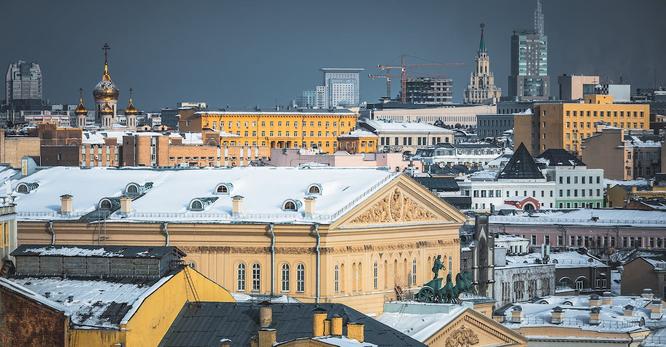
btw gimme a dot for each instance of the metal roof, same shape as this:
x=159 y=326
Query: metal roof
x=206 y=323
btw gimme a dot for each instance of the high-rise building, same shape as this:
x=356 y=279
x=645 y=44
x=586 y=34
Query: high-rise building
x=429 y=90
x=481 y=88
x=572 y=86
x=341 y=86
x=529 y=62
x=23 y=89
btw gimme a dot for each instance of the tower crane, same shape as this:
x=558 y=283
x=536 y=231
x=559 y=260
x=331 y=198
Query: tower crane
x=403 y=72
x=388 y=78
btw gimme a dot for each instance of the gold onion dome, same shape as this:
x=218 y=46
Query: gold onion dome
x=80 y=109
x=130 y=109
x=106 y=109
x=105 y=90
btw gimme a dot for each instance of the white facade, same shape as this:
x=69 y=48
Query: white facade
x=407 y=136
x=577 y=187
x=486 y=191
x=459 y=154
x=449 y=115
x=341 y=87
x=522 y=282
x=512 y=243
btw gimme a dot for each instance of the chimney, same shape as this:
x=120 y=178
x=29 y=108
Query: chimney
x=356 y=331
x=647 y=294
x=336 y=325
x=656 y=309
x=66 y=204
x=310 y=205
x=267 y=337
x=595 y=315
x=327 y=327
x=225 y=343
x=265 y=315
x=595 y=300
x=517 y=314
x=125 y=205
x=607 y=299
x=557 y=316
x=628 y=310
x=236 y=205
x=318 y=322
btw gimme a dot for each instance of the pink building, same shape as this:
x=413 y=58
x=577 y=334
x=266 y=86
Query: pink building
x=296 y=157
x=599 y=230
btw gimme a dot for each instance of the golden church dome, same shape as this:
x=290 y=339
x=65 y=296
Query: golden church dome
x=105 y=90
x=80 y=109
x=131 y=109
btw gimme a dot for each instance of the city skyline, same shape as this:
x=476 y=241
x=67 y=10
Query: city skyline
x=201 y=52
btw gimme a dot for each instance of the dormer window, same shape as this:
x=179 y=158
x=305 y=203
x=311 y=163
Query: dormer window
x=314 y=189
x=105 y=204
x=224 y=188
x=134 y=189
x=196 y=205
x=291 y=205
x=25 y=188
x=201 y=204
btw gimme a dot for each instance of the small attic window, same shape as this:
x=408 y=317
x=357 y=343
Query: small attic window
x=224 y=188
x=132 y=189
x=105 y=204
x=25 y=188
x=196 y=205
x=314 y=189
x=291 y=205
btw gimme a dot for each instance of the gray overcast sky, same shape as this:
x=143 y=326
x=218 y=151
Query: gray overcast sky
x=244 y=53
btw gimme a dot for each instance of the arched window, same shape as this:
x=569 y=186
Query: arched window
x=196 y=205
x=300 y=278
x=240 y=278
x=256 y=277
x=375 y=276
x=132 y=189
x=314 y=189
x=285 y=277
x=413 y=272
x=291 y=205
x=22 y=188
x=105 y=204
x=222 y=189
x=336 y=279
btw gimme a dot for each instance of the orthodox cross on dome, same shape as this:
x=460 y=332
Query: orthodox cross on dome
x=81 y=95
x=106 y=75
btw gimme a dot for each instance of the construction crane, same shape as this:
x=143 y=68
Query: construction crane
x=388 y=78
x=403 y=72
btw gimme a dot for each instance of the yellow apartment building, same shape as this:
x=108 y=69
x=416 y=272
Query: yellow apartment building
x=312 y=129
x=566 y=124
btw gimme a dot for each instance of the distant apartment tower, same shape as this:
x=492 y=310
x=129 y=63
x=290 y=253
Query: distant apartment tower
x=341 y=87
x=307 y=99
x=529 y=62
x=571 y=86
x=23 y=86
x=481 y=88
x=429 y=91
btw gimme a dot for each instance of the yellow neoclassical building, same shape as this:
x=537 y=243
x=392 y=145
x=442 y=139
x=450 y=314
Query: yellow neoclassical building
x=351 y=236
x=273 y=129
x=566 y=124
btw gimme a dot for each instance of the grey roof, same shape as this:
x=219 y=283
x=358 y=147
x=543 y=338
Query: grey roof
x=447 y=184
x=560 y=157
x=521 y=166
x=96 y=251
x=206 y=323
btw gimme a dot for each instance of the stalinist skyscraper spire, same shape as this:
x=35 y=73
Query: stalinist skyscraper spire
x=481 y=88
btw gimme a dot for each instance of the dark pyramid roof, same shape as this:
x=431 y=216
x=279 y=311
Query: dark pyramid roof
x=560 y=157
x=205 y=323
x=521 y=166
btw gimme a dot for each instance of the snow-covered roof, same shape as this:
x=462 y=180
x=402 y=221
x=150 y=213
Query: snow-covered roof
x=397 y=127
x=359 y=133
x=298 y=112
x=264 y=191
x=192 y=139
x=628 y=183
x=88 y=303
x=420 y=320
x=588 y=217
x=98 y=137
x=561 y=260
x=576 y=311
x=342 y=341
